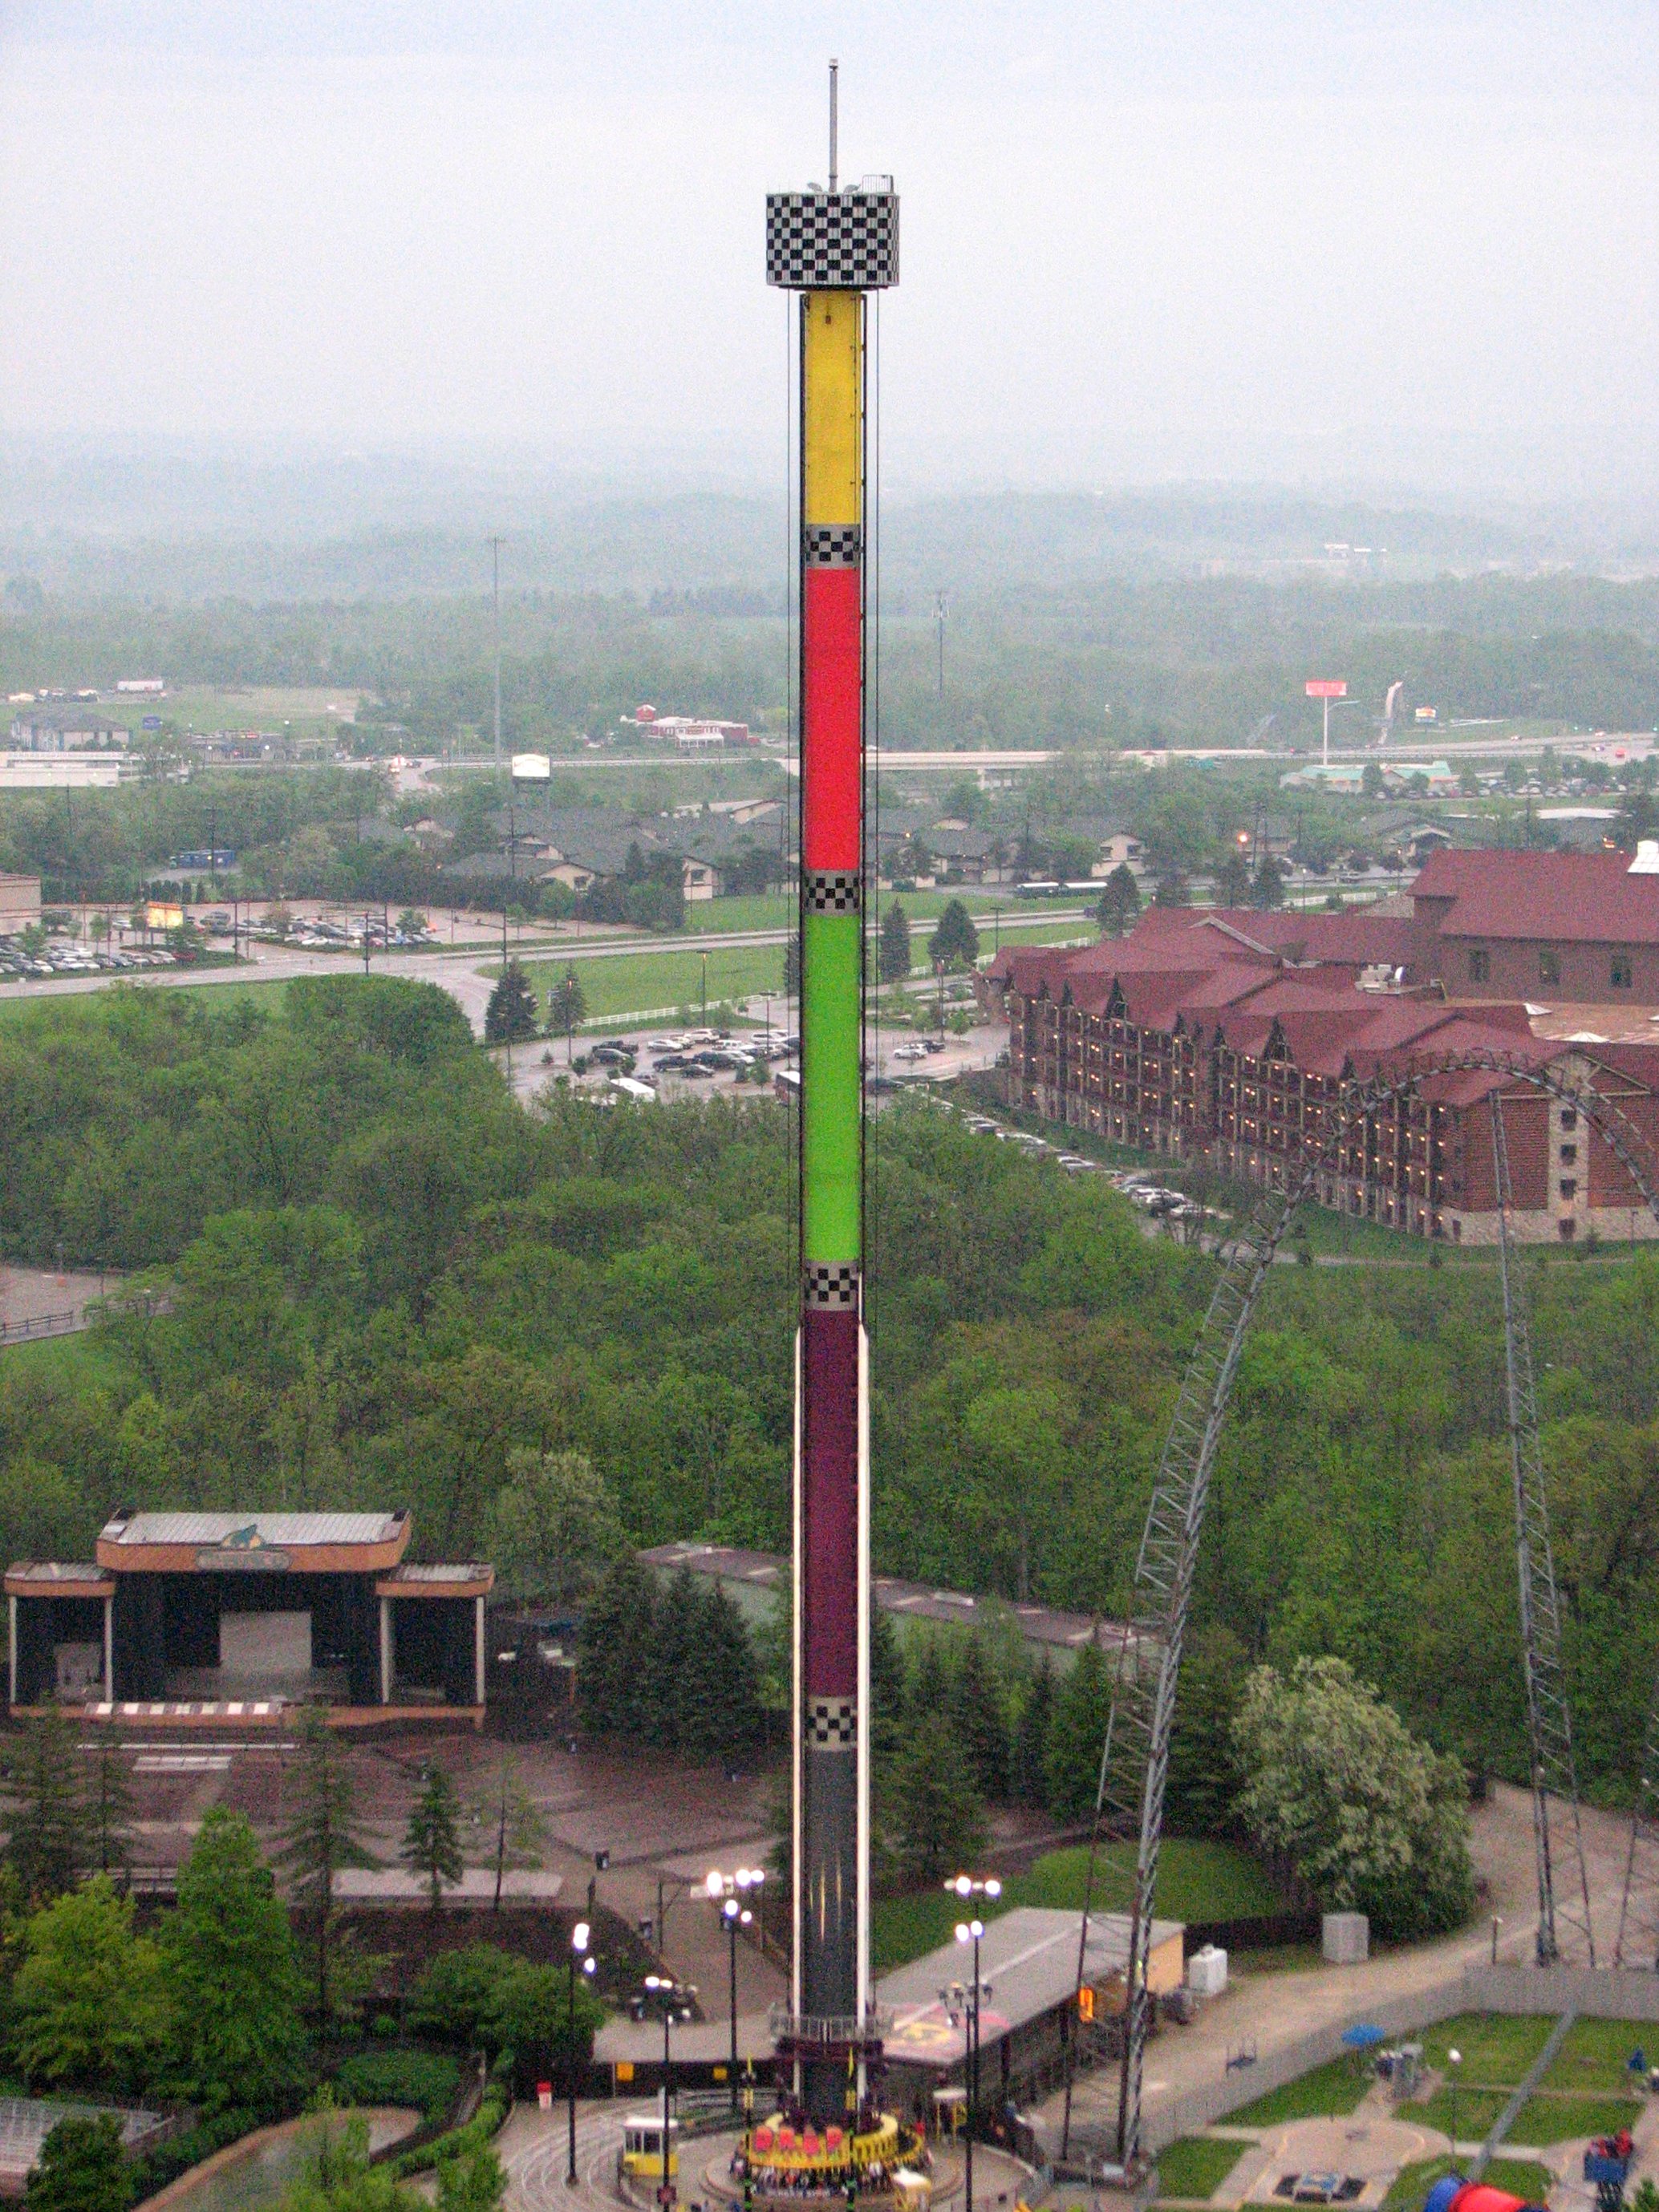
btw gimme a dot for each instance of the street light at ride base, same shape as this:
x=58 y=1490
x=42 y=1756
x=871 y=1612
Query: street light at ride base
x=729 y=1890
x=969 y=1931
x=666 y=1990
x=580 y=1936
x=1454 y=2060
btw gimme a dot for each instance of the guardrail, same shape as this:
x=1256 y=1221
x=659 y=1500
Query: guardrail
x=37 y=1325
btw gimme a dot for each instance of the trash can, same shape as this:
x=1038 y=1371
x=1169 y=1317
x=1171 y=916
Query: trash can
x=544 y=2095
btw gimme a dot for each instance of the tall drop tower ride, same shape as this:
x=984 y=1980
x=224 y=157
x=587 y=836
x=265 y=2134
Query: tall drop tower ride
x=833 y=248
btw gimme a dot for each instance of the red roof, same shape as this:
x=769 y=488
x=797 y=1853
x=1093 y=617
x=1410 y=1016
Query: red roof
x=1582 y=897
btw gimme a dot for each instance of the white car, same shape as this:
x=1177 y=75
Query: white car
x=909 y=1052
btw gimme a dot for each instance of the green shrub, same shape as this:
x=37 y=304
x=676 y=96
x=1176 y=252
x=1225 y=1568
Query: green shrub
x=454 y=1995
x=482 y=2128
x=425 y=2079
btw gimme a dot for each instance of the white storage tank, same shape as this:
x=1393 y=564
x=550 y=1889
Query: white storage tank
x=1206 y=1972
x=1347 y=1939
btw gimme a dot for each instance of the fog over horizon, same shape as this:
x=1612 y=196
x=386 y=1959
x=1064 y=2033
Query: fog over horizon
x=1409 y=255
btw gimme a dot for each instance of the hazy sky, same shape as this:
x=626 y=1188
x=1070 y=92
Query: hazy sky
x=1217 y=237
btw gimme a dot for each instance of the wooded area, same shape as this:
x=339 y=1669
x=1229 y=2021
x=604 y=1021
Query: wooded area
x=360 y=1276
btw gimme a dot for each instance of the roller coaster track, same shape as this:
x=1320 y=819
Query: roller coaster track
x=1135 y=1758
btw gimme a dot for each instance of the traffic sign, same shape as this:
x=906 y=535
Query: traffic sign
x=1325 y=687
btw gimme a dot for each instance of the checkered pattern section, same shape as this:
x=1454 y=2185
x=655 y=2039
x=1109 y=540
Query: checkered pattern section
x=846 y=243
x=835 y=1288
x=832 y=1724
x=830 y=893
x=832 y=544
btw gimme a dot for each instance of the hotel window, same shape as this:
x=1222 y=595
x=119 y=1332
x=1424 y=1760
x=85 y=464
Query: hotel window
x=1549 y=967
x=1569 y=1155
x=1569 y=1187
x=1479 y=965
x=1622 y=975
x=1569 y=1117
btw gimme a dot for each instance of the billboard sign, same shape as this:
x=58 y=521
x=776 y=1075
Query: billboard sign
x=1322 y=687
x=158 y=916
x=151 y=721
x=532 y=768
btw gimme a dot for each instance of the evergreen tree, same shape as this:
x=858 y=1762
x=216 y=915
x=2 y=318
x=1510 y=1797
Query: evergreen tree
x=321 y=1837
x=614 y=1653
x=1232 y=883
x=81 y=2168
x=956 y=940
x=792 y=966
x=1269 y=887
x=432 y=1841
x=1028 y=1779
x=1171 y=888
x=510 y=1016
x=109 y=1803
x=236 y=2036
x=894 y=963
x=929 y=1682
x=1203 y=1778
x=671 y=1720
x=1120 y=900
x=1077 y=1735
x=938 y=1816
x=720 y=1714
x=47 y=1846
x=886 y=1720
x=566 y=1005
x=978 y=1721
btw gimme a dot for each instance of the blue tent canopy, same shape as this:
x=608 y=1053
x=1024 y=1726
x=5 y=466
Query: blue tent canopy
x=1362 y=2037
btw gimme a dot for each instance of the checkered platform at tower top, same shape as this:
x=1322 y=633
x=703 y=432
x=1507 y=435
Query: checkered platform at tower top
x=832 y=241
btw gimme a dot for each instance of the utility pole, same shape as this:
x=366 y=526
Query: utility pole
x=939 y=610
x=495 y=596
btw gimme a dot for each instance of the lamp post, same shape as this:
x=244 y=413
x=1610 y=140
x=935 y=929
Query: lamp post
x=729 y=1890
x=1453 y=2059
x=579 y=1939
x=969 y=1931
x=666 y=1990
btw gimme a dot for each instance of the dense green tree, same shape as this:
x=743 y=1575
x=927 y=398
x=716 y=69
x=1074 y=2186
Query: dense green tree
x=1232 y=882
x=81 y=2167
x=937 y=1815
x=719 y=1705
x=1120 y=900
x=616 y=1656
x=236 y=2037
x=1077 y=1736
x=893 y=965
x=337 y=2176
x=432 y=1839
x=887 y=1696
x=556 y=1525
x=47 y=1844
x=475 y=2182
x=109 y=1802
x=1203 y=1778
x=321 y=1835
x=566 y=1005
x=1366 y=1817
x=510 y=1015
x=1029 y=1758
x=979 y=1721
x=1268 y=887
x=955 y=941
x=89 y=2001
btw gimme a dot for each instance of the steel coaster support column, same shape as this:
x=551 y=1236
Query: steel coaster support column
x=1549 y=1720
x=831 y=247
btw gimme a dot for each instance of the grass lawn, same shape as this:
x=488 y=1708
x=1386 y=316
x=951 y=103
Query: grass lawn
x=1594 y=2055
x=82 y=1358
x=1519 y=2176
x=1196 y=2166
x=1544 y=2120
x=1196 y=1881
x=268 y=995
x=1327 y=2092
x=631 y=983
x=1476 y=2111
x=1497 y=2048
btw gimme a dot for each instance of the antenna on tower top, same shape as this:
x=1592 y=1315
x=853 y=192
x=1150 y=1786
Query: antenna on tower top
x=834 y=121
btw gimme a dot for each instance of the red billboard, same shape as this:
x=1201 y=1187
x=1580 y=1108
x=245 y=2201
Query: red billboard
x=1323 y=687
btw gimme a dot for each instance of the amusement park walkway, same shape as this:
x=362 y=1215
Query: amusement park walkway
x=1268 y=2011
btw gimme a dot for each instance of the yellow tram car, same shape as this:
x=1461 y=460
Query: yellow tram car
x=641 y=2146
